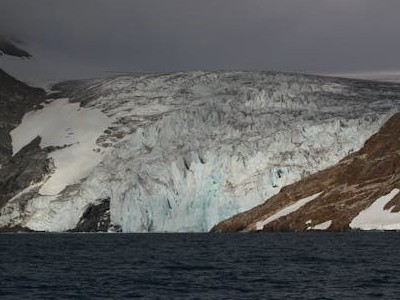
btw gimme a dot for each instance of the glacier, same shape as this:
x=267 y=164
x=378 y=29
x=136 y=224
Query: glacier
x=180 y=152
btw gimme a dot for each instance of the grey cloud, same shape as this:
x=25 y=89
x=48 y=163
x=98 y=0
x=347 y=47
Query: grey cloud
x=166 y=35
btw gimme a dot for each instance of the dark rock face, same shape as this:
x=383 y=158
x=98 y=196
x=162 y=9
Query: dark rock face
x=31 y=164
x=16 y=99
x=346 y=189
x=15 y=229
x=8 y=48
x=96 y=218
x=27 y=167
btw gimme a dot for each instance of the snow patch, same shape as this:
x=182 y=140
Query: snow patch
x=64 y=124
x=287 y=210
x=322 y=226
x=376 y=217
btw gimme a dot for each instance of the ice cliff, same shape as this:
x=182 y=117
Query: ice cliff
x=184 y=151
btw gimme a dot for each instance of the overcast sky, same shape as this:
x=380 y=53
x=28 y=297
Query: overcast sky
x=85 y=38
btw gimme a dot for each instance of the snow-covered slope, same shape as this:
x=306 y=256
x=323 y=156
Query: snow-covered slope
x=184 y=151
x=377 y=217
x=71 y=127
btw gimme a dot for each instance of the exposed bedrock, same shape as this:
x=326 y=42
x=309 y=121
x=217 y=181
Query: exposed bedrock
x=16 y=99
x=96 y=218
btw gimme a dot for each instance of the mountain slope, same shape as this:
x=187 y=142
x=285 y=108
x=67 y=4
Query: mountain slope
x=16 y=98
x=19 y=172
x=184 y=151
x=360 y=192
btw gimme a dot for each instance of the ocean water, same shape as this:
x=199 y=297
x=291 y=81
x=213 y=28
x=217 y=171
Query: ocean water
x=356 y=265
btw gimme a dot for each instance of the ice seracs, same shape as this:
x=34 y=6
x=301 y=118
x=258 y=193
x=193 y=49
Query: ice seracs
x=351 y=189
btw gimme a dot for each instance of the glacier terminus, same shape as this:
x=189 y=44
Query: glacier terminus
x=181 y=152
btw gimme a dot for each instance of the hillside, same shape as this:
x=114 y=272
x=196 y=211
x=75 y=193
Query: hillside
x=360 y=192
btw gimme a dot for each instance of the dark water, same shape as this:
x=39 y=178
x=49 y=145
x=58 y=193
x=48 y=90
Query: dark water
x=200 y=266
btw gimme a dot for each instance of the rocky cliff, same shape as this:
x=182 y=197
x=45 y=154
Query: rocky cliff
x=18 y=172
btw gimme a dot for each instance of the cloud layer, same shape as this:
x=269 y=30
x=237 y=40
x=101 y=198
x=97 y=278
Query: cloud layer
x=77 y=38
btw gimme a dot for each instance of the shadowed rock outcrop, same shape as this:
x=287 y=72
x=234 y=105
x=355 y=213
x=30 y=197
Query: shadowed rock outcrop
x=16 y=99
x=15 y=229
x=96 y=218
x=26 y=168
